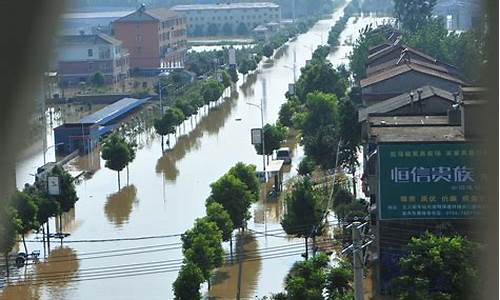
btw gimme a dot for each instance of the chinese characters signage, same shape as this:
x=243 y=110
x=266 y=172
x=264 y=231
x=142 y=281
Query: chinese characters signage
x=430 y=181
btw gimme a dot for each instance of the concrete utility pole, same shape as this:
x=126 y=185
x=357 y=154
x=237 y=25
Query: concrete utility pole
x=357 y=261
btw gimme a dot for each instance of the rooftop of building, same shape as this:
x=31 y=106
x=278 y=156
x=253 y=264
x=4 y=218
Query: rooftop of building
x=96 y=15
x=86 y=38
x=414 y=134
x=398 y=121
x=148 y=14
x=221 y=6
x=404 y=68
x=404 y=99
x=112 y=111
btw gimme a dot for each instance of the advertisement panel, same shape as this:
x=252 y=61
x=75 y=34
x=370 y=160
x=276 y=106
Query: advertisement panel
x=429 y=181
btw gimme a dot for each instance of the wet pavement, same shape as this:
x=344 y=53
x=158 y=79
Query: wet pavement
x=165 y=194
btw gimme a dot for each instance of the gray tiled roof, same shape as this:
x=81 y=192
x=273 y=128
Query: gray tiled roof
x=88 y=39
x=403 y=100
x=407 y=67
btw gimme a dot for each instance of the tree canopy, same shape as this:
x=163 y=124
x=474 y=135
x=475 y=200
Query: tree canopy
x=201 y=246
x=319 y=77
x=187 y=284
x=413 y=14
x=247 y=175
x=234 y=196
x=217 y=214
x=439 y=267
x=273 y=136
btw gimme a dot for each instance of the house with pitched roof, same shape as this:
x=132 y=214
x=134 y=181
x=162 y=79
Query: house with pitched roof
x=403 y=78
x=81 y=55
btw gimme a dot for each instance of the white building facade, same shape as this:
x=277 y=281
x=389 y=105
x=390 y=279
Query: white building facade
x=228 y=18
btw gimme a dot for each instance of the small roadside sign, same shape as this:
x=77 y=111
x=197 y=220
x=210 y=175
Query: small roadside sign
x=53 y=185
x=256 y=134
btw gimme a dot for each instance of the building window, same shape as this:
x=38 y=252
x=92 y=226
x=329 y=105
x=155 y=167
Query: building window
x=138 y=38
x=91 y=67
x=139 y=50
x=90 y=52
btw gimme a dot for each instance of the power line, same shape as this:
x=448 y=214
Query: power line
x=153 y=270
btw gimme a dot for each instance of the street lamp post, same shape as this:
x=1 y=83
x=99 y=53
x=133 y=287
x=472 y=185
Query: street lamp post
x=263 y=136
x=47 y=149
x=160 y=76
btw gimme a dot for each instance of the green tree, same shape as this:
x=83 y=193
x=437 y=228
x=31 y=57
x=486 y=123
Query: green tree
x=305 y=207
x=244 y=66
x=413 y=14
x=306 y=166
x=9 y=222
x=67 y=197
x=322 y=146
x=287 y=110
x=116 y=153
x=25 y=208
x=273 y=136
x=202 y=246
x=267 y=50
x=439 y=267
x=306 y=279
x=234 y=74
x=217 y=214
x=226 y=78
x=339 y=281
x=350 y=133
x=211 y=90
x=321 y=111
x=97 y=79
x=234 y=196
x=247 y=175
x=368 y=38
x=187 y=284
x=319 y=55
x=184 y=105
x=319 y=77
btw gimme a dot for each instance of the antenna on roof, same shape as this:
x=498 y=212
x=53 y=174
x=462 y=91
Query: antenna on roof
x=142 y=8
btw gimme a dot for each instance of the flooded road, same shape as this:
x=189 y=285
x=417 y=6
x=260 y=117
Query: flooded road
x=125 y=244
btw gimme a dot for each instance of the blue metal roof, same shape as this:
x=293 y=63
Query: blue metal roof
x=113 y=111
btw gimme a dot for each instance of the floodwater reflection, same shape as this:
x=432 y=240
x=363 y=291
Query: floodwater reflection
x=119 y=205
x=225 y=280
x=49 y=279
x=209 y=123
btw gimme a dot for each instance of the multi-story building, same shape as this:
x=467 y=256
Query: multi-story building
x=155 y=38
x=422 y=173
x=228 y=18
x=82 y=55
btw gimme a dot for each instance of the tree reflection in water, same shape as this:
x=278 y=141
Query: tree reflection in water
x=225 y=280
x=50 y=279
x=119 y=205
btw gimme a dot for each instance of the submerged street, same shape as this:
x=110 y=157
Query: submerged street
x=126 y=244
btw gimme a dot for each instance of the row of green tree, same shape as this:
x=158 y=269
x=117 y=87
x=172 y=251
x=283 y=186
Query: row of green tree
x=118 y=153
x=227 y=209
x=30 y=210
x=336 y=30
x=247 y=57
x=186 y=100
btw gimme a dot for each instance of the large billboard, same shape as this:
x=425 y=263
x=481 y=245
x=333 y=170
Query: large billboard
x=429 y=181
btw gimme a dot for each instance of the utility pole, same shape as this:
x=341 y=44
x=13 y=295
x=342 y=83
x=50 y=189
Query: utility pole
x=357 y=261
x=293 y=10
x=44 y=121
x=240 y=266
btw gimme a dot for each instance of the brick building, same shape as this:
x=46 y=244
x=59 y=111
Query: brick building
x=82 y=55
x=154 y=38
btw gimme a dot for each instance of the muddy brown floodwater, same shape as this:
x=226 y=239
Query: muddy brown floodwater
x=165 y=194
